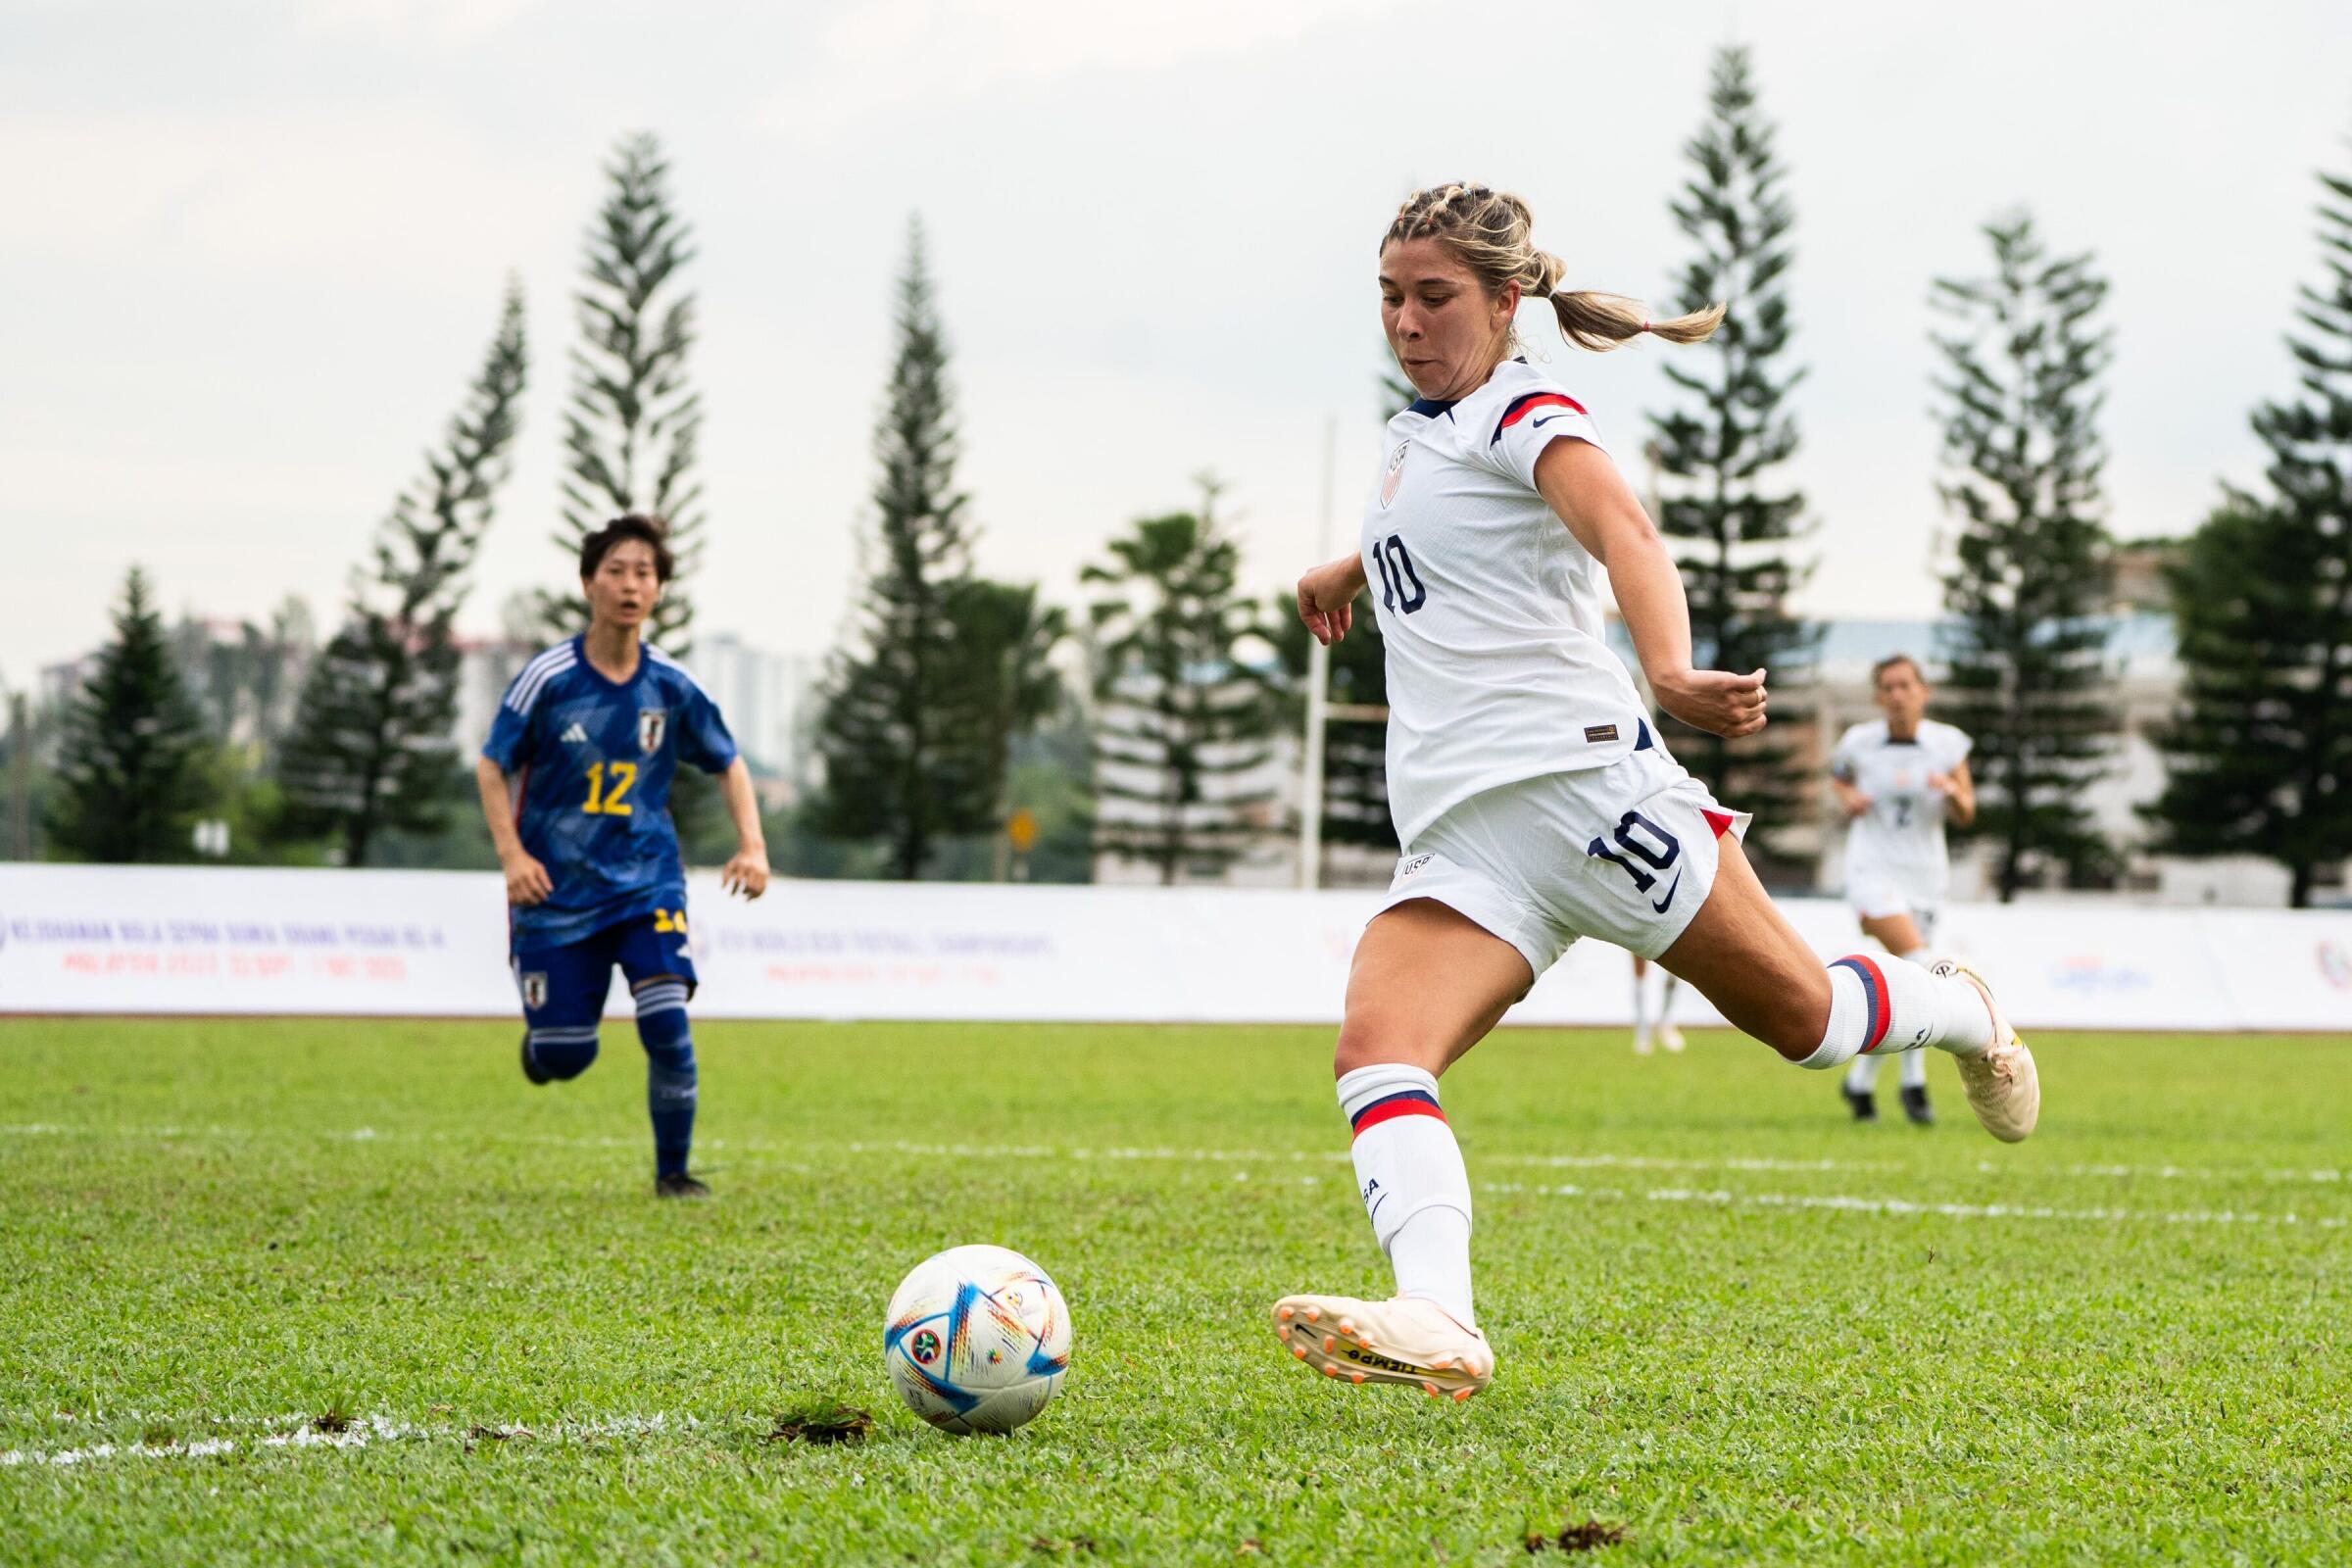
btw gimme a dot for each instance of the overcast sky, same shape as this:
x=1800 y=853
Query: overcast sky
x=251 y=252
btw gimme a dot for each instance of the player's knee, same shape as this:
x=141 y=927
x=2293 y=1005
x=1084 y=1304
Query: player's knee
x=562 y=1052
x=1369 y=1041
x=662 y=1023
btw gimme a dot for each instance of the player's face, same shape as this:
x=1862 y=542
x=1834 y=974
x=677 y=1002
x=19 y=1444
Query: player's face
x=1444 y=328
x=1901 y=695
x=624 y=587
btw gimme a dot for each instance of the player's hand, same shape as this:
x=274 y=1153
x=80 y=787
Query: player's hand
x=746 y=873
x=526 y=881
x=1327 y=599
x=1719 y=703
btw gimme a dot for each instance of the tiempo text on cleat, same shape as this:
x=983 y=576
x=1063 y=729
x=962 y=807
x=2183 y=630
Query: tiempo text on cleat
x=1404 y=1340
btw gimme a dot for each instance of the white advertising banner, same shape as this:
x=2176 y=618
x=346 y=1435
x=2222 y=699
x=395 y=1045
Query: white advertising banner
x=226 y=941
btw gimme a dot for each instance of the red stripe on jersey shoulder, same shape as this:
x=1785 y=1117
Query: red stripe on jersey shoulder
x=1525 y=403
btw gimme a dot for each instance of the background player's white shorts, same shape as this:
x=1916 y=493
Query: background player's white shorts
x=1625 y=852
x=1878 y=895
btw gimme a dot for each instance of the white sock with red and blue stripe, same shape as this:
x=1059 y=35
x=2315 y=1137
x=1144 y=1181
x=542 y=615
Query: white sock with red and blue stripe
x=1415 y=1188
x=1886 y=1009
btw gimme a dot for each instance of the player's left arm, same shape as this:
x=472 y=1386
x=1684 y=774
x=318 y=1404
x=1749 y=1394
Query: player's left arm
x=1959 y=794
x=1583 y=487
x=746 y=872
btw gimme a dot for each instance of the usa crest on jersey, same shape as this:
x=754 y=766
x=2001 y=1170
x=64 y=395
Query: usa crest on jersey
x=1395 y=475
x=652 y=724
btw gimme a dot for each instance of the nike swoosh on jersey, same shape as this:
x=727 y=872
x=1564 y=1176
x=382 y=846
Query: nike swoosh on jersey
x=1671 y=887
x=1538 y=425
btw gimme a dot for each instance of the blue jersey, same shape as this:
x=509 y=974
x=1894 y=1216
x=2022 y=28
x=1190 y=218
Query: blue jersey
x=592 y=762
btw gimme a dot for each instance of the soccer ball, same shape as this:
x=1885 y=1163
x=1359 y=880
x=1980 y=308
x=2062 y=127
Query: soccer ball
x=976 y=1340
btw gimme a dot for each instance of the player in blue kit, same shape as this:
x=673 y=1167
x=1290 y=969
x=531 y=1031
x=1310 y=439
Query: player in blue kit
x=591 y=733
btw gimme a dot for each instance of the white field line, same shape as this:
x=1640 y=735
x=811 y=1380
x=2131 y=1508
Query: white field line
x=360 y=1434
x=1900 y=1206
x=2321 y=1176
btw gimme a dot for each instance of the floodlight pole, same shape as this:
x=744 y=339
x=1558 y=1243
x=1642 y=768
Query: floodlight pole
x=1318 y=699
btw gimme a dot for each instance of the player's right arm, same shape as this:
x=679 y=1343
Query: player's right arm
x=527 y=881
x=1327 y=598
x=1850 y=798
x=507 y=751
x=1583 y=487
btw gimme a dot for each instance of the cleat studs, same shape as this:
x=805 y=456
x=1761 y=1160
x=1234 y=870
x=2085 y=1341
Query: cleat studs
x=1298 y=1353
x=1286 y=1313
x=1459 y=1394
x=1314 y=1314
x=1430 y=1389
x=1355 y=1377
x=1330 y=1369
x=1329 y=1345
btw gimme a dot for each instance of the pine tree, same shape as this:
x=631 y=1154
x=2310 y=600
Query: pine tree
x=904 y=762
x=1722 y=502
x=1183 y=718
x=132 y=763
x=631 y=433
x=370 y=752
x=1000 y=669
x=2261 y=751
x=1356 y=761
x=2033 y=561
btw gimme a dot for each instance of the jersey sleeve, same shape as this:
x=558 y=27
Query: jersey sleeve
x=510 y=731
x=703 y=736
x=1530 y=421
x=1956 y=746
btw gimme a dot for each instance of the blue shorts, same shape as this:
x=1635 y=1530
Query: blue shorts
x=566 y=986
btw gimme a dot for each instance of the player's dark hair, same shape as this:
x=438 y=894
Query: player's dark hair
x=634 y=525
x=1889 y=661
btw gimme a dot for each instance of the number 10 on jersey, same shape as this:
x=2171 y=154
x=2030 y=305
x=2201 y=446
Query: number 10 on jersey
x=1399 y=584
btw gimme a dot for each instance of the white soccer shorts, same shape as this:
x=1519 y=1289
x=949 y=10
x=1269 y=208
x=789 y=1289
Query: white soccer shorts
x=1876 y=895
x=1625 y=852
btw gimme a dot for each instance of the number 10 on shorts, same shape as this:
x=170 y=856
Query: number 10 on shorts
x=1633 y=835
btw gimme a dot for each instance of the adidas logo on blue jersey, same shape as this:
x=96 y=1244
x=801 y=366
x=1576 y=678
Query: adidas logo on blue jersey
x=577 y=735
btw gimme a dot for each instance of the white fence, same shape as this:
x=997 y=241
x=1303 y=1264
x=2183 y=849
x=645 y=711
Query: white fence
x=164 y=940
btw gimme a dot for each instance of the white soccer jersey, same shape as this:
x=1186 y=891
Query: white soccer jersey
x=1498 y=665
x=1903 y=833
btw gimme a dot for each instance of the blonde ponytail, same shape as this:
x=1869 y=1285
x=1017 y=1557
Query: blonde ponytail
x=1489 y=230
x=1601 y=322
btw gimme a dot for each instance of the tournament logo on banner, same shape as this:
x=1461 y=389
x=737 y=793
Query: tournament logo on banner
x=652 y=724
x=2335 y=964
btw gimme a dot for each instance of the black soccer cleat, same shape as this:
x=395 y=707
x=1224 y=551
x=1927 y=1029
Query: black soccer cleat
x=1864 y=1106
x=1915 y=1106
x=679 y=1185
x=530 y=1068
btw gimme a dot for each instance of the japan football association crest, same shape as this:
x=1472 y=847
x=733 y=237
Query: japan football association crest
x=652 y=724
x=534 y=991
x=1395 y=475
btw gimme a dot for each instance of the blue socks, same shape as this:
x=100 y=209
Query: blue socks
x=669 y=1076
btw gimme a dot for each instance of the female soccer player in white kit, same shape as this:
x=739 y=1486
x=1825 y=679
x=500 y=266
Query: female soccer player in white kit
x=1898 y=778
x=1533 y=799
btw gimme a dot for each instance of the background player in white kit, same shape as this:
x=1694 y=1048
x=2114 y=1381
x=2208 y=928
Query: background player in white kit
x=1533 y=801
x=1899 y=779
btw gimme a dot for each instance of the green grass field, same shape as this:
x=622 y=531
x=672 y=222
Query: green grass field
x=352 y=1292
